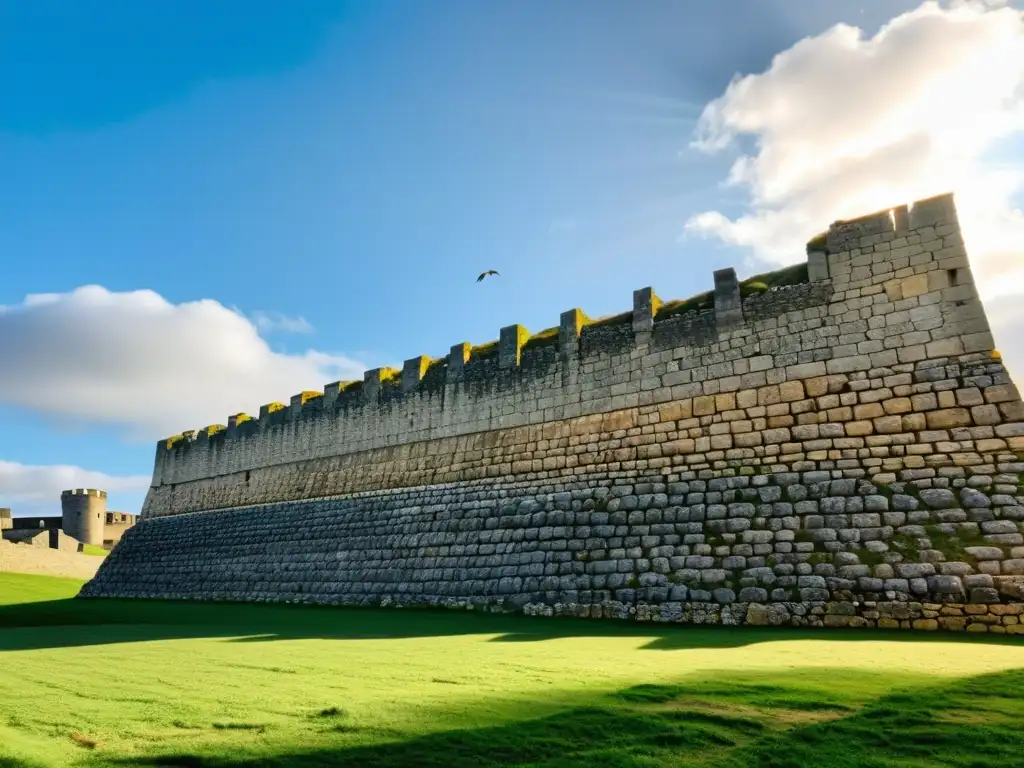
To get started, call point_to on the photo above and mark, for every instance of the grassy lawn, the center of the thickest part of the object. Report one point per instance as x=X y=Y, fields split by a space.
x=92 y=549
x=17 y=588
x=90 y=683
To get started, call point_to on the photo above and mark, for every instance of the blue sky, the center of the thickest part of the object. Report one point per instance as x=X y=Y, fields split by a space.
x=358 y=164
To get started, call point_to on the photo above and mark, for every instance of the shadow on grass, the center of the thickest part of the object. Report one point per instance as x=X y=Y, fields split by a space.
x=102 y=622
x=721 y=723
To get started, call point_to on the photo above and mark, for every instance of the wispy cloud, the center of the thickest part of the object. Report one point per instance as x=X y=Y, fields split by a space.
x=269 y=322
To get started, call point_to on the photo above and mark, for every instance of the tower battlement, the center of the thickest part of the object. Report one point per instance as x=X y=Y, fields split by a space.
x=84 y=492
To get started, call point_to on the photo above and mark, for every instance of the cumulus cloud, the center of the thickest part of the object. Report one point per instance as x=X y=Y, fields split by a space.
x=268 y=322
x=842 y=124
x=43 y=484
x=135 y=360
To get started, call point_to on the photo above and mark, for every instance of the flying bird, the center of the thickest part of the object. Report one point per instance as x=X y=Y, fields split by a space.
x=485 y=274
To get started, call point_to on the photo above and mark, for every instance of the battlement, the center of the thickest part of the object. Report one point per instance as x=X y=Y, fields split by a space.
x=517 y=349
x=84 y=492
x=885 y=224
x=728 y=305
x=890 y=288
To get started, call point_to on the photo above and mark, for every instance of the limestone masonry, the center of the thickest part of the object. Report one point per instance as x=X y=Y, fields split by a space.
x=834 y=444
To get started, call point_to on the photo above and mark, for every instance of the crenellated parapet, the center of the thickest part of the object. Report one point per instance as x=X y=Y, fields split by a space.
x=517 y=351
x=821 y=316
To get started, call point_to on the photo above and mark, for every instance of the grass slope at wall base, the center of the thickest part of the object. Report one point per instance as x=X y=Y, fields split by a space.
x=1001 y=618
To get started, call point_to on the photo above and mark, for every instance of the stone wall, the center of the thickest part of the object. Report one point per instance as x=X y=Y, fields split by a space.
x=39 y=559
x=24 y=528
x=849 y=440
x=44 y=538
x=115 y=526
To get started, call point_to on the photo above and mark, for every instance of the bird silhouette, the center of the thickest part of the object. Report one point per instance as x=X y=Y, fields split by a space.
x=485 y=274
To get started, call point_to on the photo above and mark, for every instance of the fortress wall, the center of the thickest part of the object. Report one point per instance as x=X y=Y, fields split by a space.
x=606 y=371
x=886 y=290
x=845 y=453
x=38 y=558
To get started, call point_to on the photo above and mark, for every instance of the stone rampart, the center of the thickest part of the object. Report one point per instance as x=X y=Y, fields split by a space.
x=36 y=557
x=845 y=438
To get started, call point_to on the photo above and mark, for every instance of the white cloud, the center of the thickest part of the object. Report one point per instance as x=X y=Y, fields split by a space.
x=844 y=125
x=136 y=360
x=268 y=322
x=1006 y=317
x=43 y=484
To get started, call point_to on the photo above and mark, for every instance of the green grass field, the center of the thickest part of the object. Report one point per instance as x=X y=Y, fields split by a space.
x=105 y=683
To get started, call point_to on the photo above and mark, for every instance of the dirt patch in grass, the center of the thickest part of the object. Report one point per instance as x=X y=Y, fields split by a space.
x=84 y=741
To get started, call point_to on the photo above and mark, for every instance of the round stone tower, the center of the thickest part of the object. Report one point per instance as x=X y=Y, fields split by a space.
x=84 y=514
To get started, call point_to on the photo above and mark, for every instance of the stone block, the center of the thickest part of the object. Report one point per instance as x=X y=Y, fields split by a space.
x=948 y=418
x=728 y=304
x=913 y=286
x=944 y=348
x=645 y=306
x=817 y=266
x=510 y=345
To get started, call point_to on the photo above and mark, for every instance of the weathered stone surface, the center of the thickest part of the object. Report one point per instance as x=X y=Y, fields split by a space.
x=818 y=444
x=984 y=595
x=946 y=585
x=972 y=498
x=938 y=498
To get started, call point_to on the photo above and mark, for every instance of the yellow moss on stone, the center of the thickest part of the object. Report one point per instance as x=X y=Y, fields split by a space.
x=484 y=350
x=817 y=243
x=546 y=337
x=308 y=395
x=547 y=333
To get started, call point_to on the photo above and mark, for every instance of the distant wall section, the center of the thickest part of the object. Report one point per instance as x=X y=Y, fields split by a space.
x=115 y=526
x=39 y=558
